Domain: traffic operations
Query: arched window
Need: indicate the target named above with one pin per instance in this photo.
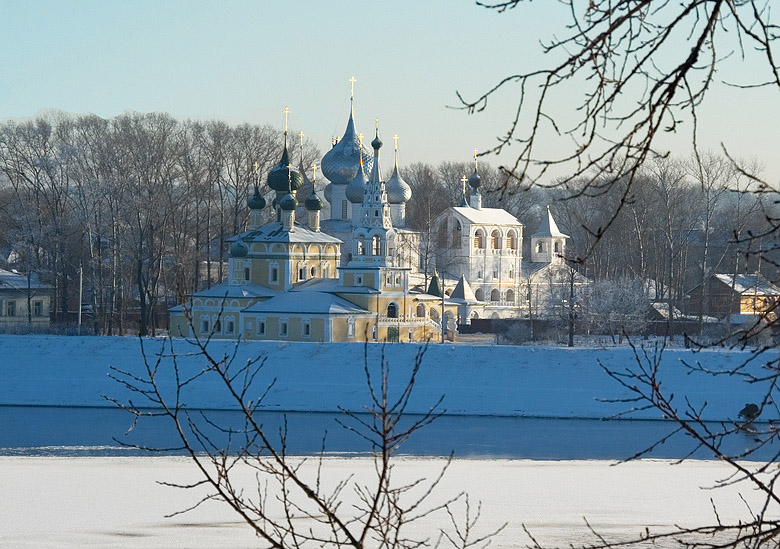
(557, 247)
(479, 294)
(511, 240)
(496, 239)
(377, 245)
(495, 295)
(434, 313)
(392, 310)
(361, 245)
(420, 311)
(540, 247)
(510, 296)
(475, 314)
(479, 239)
(456, 235)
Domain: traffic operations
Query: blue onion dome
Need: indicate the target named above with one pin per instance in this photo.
(328, 192)
(341, 163)
(239, 249)
(283, 177)
(376, 143)
(398, 190)
(288, 203)
(256, 201)
(357, 187)
(475, 181)
(313, 203)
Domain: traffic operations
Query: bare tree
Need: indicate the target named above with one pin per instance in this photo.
(295, 505)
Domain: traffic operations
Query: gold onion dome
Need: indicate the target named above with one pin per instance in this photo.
(283, 176)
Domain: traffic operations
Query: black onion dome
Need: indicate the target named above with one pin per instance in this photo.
(284, 177)
(313, 203)
(357, 188)
(256, 201)
(398, 190)
(341, 163)
(475, 181)
(239, 249)
(288, 203)
(376, 143)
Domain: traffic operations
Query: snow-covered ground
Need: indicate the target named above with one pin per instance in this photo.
(485, 380)
(117, 502)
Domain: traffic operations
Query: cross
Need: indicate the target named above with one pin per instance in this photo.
(301, 136)
(352, 81)
(475, 158)
(315, 172)
(376, 124)
(285, 112)
(395, 138)
(463, 180)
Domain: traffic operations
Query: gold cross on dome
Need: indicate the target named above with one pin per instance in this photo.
(463, 180)
(395, 138)
(352, 81)
(301, 136)
(285, 112)
(475, 158)
(314, 166)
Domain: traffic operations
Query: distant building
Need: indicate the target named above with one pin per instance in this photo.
(23, 299)
(726, 294)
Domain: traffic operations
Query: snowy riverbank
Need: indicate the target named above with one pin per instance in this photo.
(475, 380)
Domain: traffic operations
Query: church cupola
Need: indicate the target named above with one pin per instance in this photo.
(256, 202)
(398, 193)
(283, 178)
(548, 244)
(475, 182)
(314, 205)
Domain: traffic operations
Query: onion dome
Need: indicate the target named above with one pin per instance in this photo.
(328, 192)
(357, 187)
(313, 203)
(256, 201)
(475, 181)
(398, 190)
(376, 143)
(342, 162)
(283, 177)
(288, 203)
(239, 249)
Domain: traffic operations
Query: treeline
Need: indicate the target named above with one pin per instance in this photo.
(139, 204)
(679, 220)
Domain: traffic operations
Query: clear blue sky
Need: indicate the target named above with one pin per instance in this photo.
(244, 61)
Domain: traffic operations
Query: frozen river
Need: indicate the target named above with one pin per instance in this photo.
(79, 431)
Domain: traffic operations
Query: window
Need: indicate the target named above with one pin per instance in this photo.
(358, 279)
(495, 295)
(217, 326)
(229, 326)
(261, 327)
(302, 271)
(392, 310)
(557, 247)
(495, 273)
(37, 308)
(361, 245)
(510, 296)
(540, 247)
(282, 327)
(273, 275)
(343, 209)
(204, 325)
(305, 328)
(479, 274)
(376, 245)
(246, 274)
(10, 308)
(496, 240)
(479, 294)
(313, 271)
(479, 239)
(420, 311)
(511, 273)
(351, 327)
(398, 280)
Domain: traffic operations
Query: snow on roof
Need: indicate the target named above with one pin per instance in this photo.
(748, 284)
(548, 226)
(236, 291)
(307, 303)
(487, 216)
(331, 285)
(17, 281)
(275, 232)
(462, 292)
